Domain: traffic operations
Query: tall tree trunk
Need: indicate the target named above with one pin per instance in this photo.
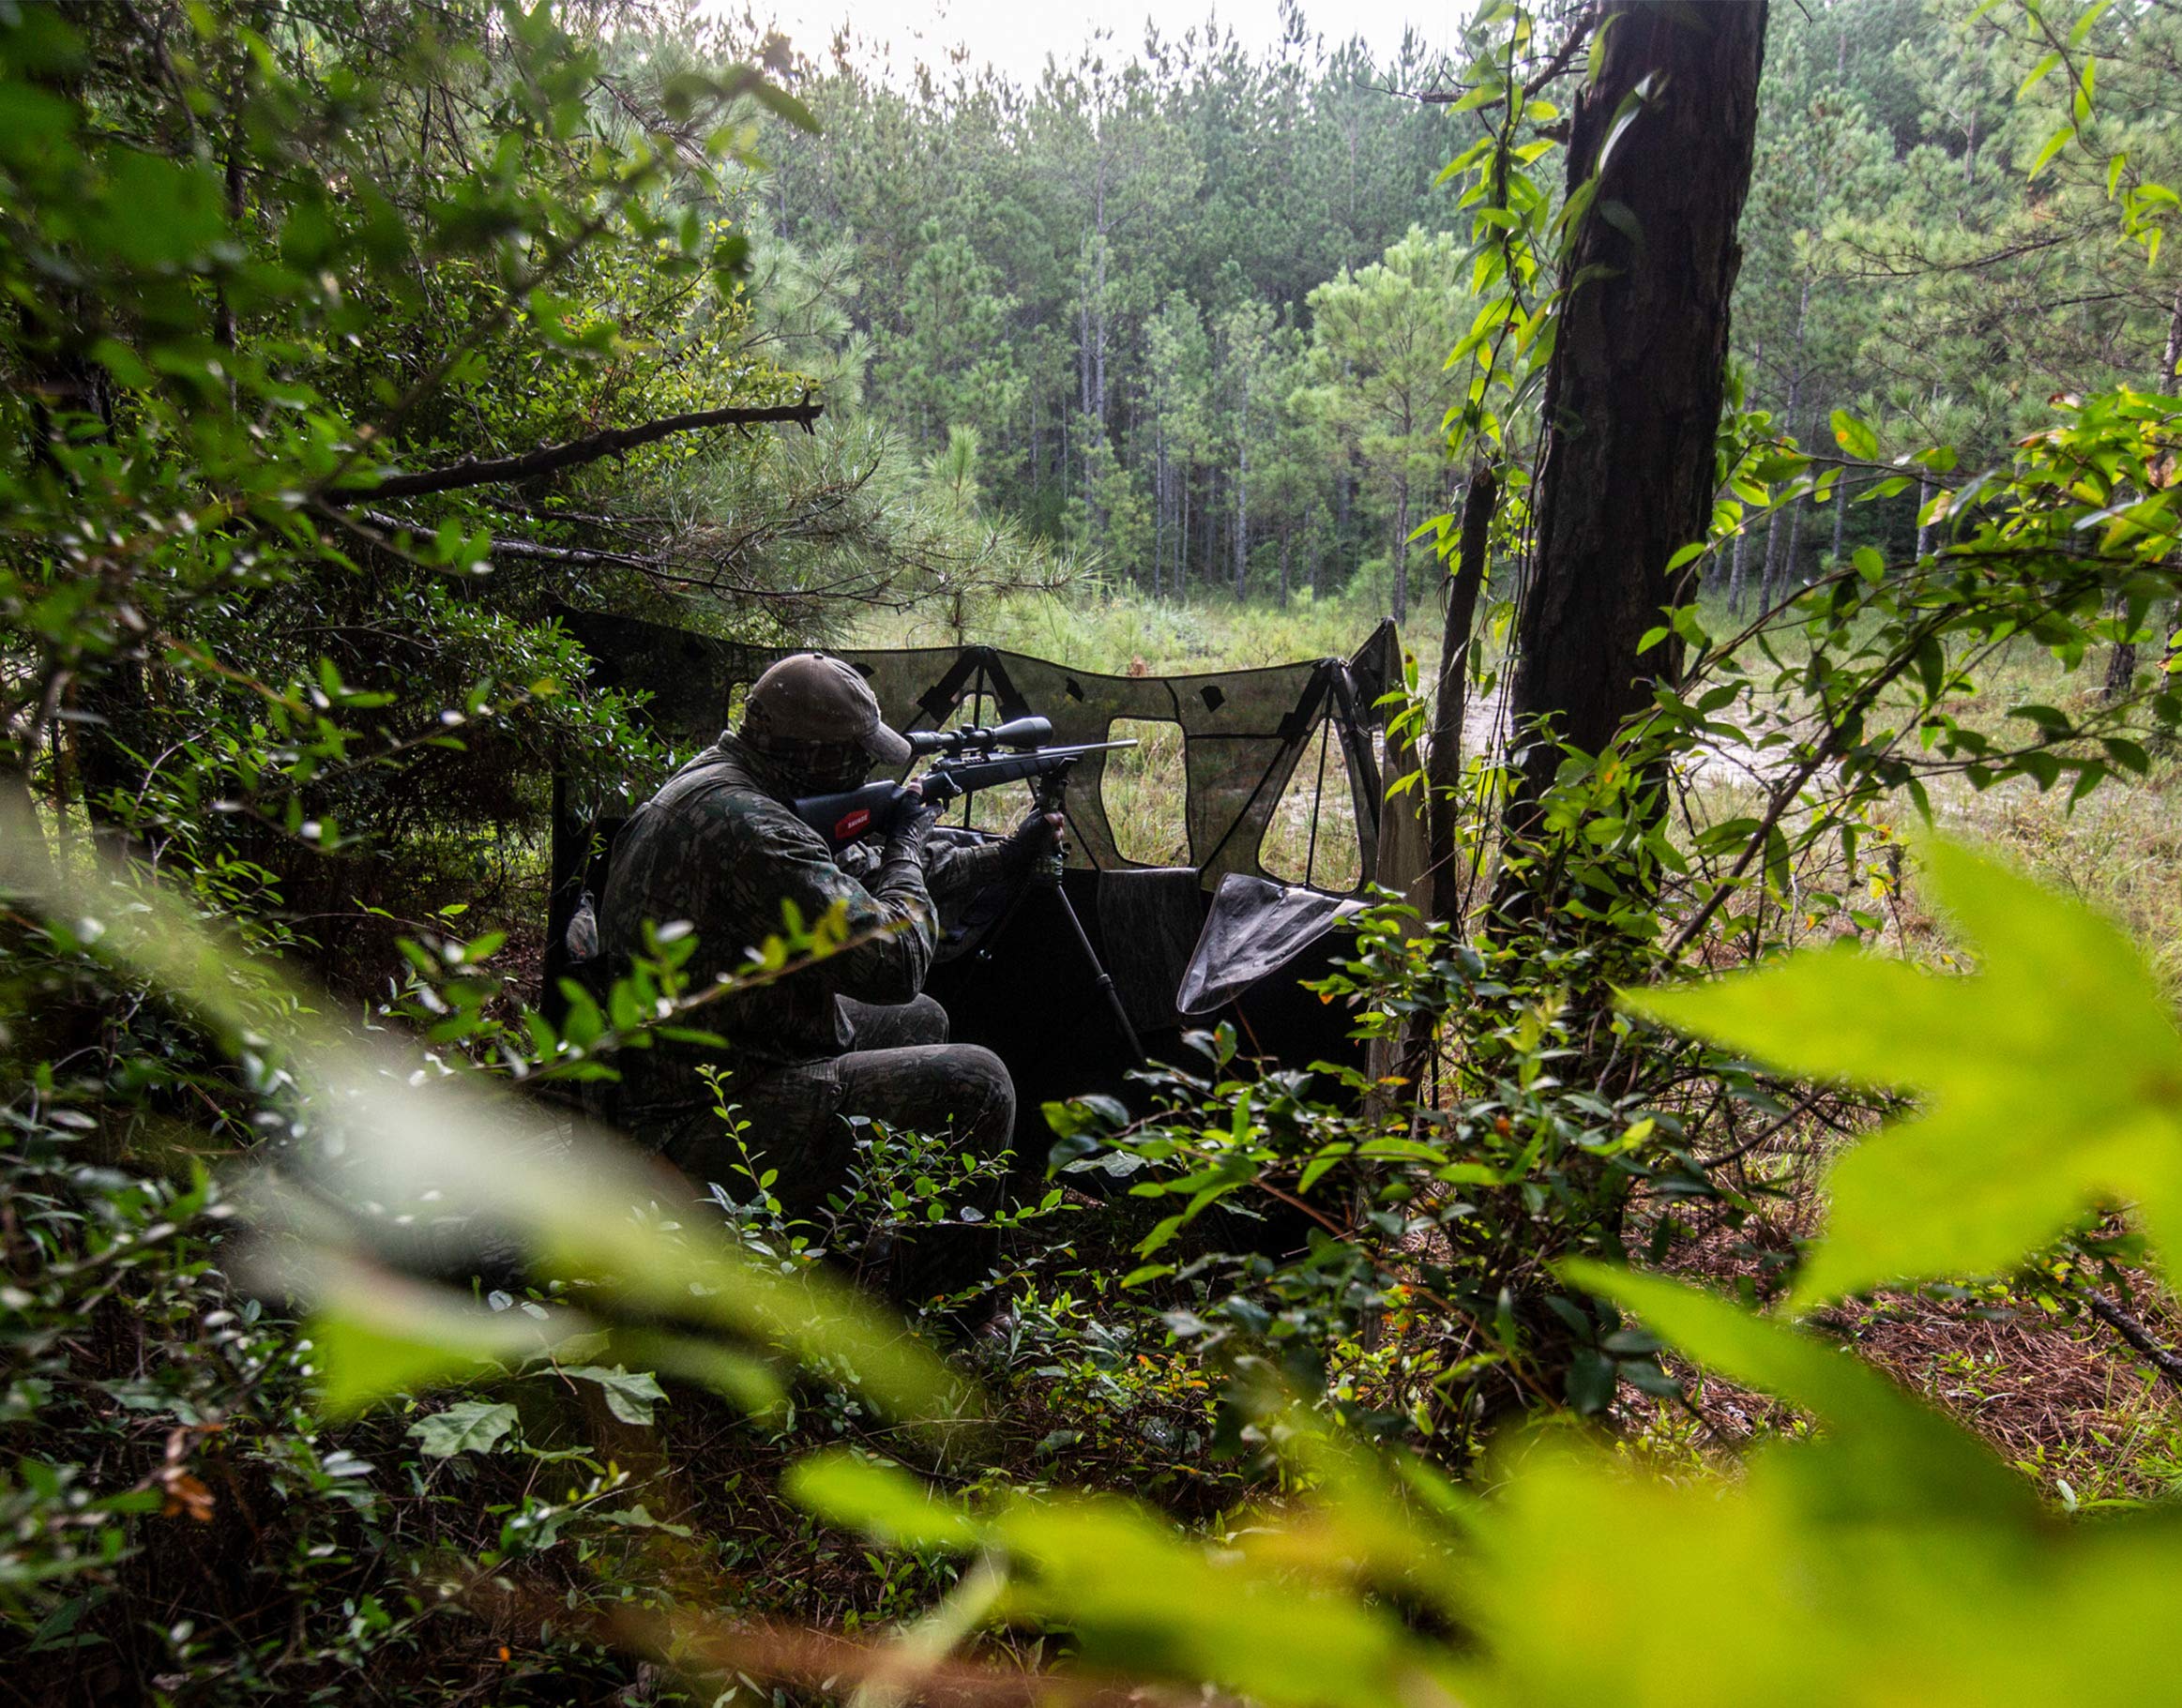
(1776, 567)
(2172, 357)
(1098, 344)
(1634, 389)
(1735, 578)
(1401, 545)
(1182, 535)
(1242, 501)
(1211, 556)
(1170, 508)
(1159, 507)
(1739, 565)
(1841, 516)
(1083, 353)
(1443, 772)
(2121, 671)
(1786, 572)
(1284, 541)
(1443, 763)
(1098, 404)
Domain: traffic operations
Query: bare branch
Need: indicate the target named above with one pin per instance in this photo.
(549, 459)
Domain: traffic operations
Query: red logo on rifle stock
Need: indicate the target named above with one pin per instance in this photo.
(851, 823)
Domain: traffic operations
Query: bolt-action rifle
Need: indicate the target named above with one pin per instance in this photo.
(967, 760)
(970, 760)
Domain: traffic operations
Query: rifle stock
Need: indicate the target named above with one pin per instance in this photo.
(853, 815)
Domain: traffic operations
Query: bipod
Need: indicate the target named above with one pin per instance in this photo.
(1045, 874)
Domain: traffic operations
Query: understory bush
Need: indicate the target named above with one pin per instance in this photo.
(340, 1357)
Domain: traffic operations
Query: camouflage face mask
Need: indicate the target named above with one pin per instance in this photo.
(797, 768)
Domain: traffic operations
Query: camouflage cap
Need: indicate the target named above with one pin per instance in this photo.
(809, 706)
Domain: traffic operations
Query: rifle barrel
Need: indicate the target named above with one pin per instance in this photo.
(969, 773)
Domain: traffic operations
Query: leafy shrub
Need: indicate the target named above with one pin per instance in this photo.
(1452, 1210)
(1890, 1545)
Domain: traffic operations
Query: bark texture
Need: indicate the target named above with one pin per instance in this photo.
(1443, 765)
(1634, 392)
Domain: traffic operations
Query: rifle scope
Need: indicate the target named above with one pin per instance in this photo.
(977, 738)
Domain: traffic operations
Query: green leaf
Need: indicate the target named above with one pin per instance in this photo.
(639, 1518)
(1590, 1381)
(1890, 1453)
(374, 1335)
(160, 213)
(1768, 1589)
(2053, 145)
(2038, 74)
(2130, 755)
(857, 1493)
(1138, 1595)
(630, 1395)
(468, 1425)
(2049, 718)
(1854, 437)
(2051, 1082)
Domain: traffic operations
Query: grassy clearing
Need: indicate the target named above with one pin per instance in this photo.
(2115, 850)
(1121, 631)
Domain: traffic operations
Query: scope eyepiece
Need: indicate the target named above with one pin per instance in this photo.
(1019, 733)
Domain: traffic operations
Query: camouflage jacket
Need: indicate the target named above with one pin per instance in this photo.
(718, 847)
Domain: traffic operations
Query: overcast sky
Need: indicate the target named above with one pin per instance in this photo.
(1016, 36)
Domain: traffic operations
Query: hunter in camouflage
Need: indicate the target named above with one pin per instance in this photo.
(849, 1038)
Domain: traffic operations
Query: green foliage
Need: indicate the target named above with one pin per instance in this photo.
(469, 1426)
(1106, 277)
(236, 661)
(369, 1174)
(1379, 371)
(1889, 1543)
(1435, 1223)
(1865, 684)
(2043, 1077)
(477, 1374)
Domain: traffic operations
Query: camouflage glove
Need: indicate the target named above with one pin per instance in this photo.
(1039, 834)
(913, 820)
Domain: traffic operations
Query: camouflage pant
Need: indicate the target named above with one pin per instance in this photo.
(901, 1073)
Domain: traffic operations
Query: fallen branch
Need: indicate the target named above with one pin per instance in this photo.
(548, 459)
(2139, 1336)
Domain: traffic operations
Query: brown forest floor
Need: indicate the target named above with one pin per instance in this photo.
(2061, 1396)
